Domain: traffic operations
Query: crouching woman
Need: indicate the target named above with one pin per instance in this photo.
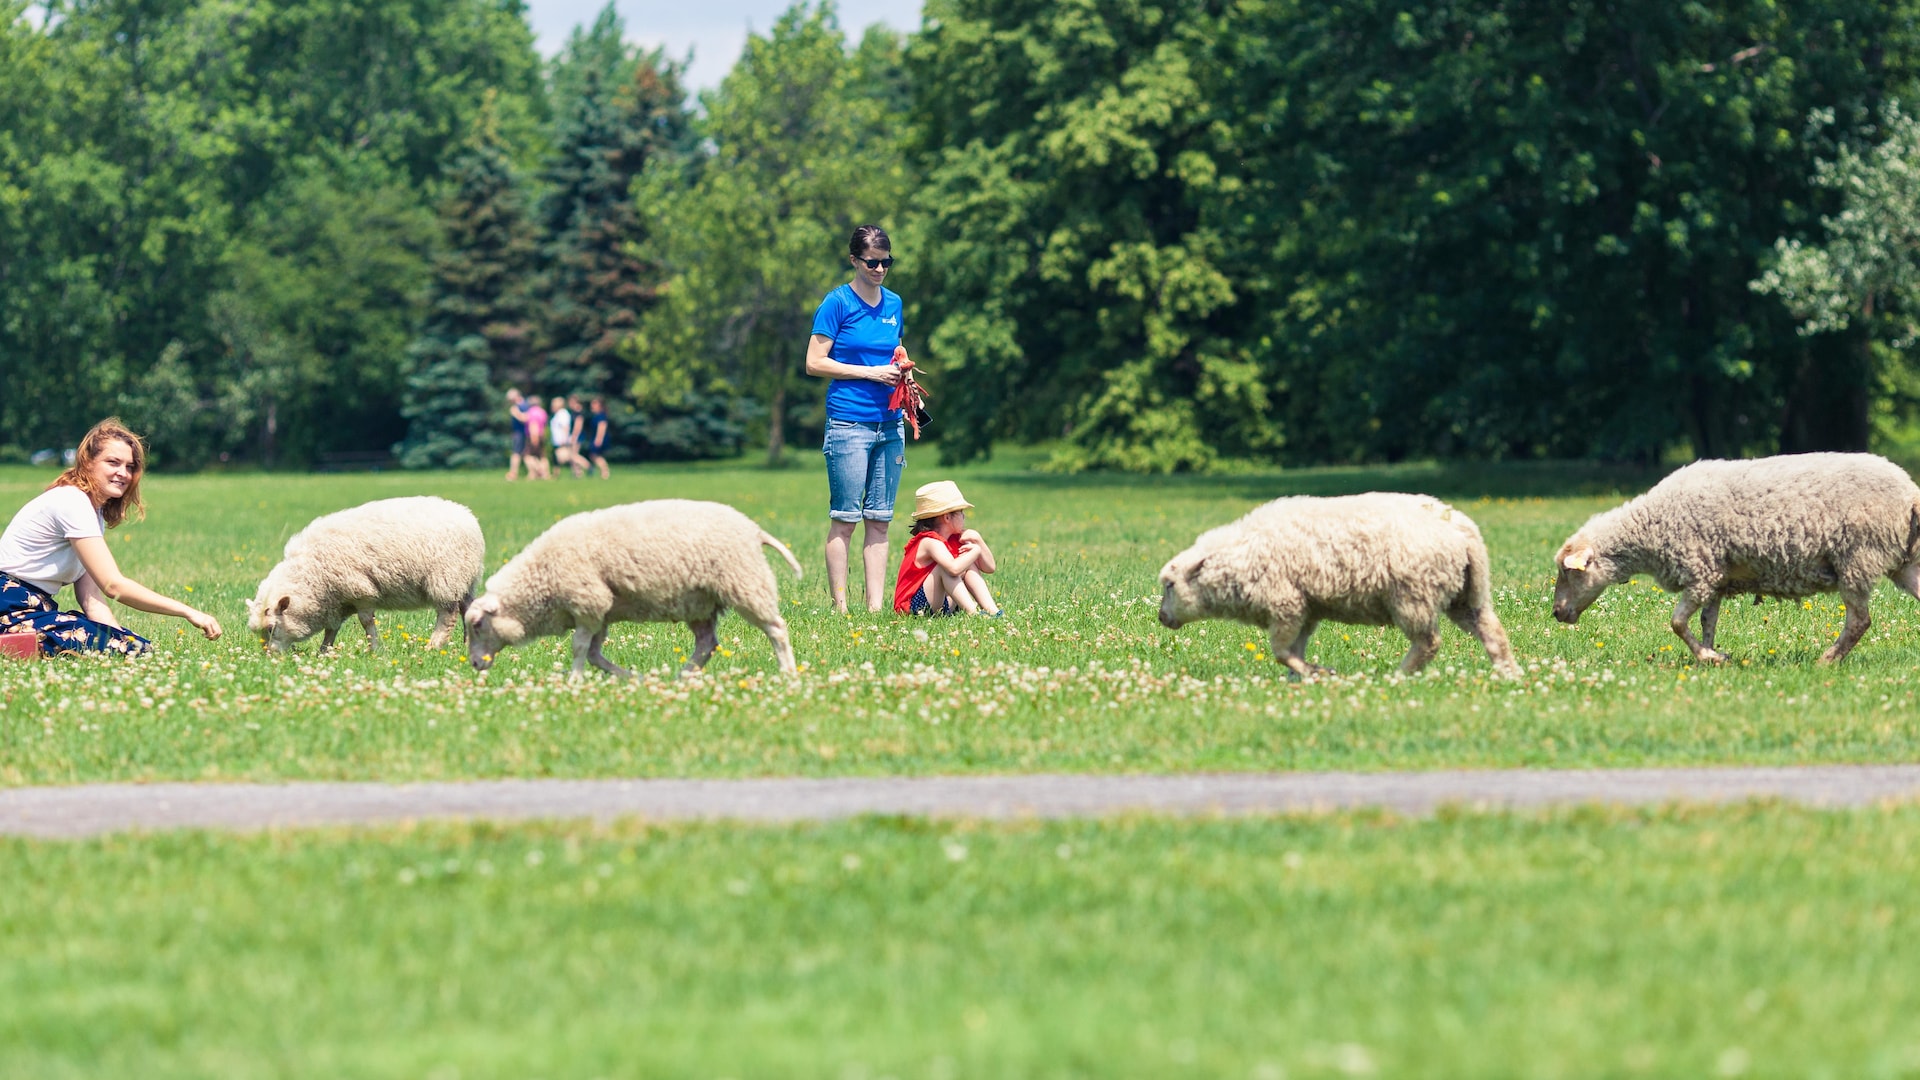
(59, 539)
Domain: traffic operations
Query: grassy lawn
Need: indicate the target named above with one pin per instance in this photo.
(1079, 677)
(1747, 941)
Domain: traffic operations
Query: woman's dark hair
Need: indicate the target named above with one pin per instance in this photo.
(867, 236)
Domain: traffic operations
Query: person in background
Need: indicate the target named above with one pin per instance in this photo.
(855, 332)
(561, 428)
(576, 437)
(60, 538)
(537, 441)
(596, 436)
(517, 448)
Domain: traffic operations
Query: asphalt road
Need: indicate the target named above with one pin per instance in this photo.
(95, 809)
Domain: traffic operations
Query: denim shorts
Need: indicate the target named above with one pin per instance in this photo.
(863, 468)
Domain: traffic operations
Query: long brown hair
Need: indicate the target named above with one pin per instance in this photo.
(114, 511)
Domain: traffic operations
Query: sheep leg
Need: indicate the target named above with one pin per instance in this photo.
(326, 642)
(1709, 621)
(1853, 629)
(1288, 639)
(373, 636)
(704, 642)
(1682, 618)
(1289, 644)
(598, 658)
(1423, 643)
(443, 626)
(1484, 626)
(582, 645)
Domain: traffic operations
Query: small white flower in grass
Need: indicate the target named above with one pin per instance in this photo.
(407, 875)
(738, 887)
(1733, 1061)
(956, 852)
(535, 857)
(849, 862)
(484, 868)
(1292, 860)
(1064, 851)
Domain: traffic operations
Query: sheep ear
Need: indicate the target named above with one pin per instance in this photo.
(282, 605)
(1577, 559)
(1194, 570)
(252, 604)
(489, 604)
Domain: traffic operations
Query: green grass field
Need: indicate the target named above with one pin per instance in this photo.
(1079, 677)
(1747, 941)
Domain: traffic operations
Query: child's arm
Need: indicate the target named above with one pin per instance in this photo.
(937, 554)
(977, 544)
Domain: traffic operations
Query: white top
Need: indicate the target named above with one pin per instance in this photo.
(37, 547)
(562, 427)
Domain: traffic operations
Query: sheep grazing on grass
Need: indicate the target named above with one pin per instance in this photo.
(670, 560)
(1369, 559)
(387, 555)
(1788, 527)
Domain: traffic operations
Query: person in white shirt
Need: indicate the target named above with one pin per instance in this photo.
(59, 539)
(561, 426)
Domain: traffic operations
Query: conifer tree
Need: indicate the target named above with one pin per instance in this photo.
(620, 112)
(479, 331)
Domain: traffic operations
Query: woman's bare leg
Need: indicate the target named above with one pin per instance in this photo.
(977, 585)
(873, 556)
(839, 534)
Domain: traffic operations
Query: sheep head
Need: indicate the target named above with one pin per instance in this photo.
(489, 630)
(1582, 575)
(1182, 599)
(273, 618)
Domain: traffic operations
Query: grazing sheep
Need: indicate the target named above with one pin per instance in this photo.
(1370, 559)
(1787, 526)
(386, 555)
(669, 560)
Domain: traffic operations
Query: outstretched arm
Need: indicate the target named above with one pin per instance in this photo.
(93, 602)
(106, 576)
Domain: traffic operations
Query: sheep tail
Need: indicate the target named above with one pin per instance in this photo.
(1478, 588)
(767, 539)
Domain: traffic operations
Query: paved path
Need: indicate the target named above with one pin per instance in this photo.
(103, 808)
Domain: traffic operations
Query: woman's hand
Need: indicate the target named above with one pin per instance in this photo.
(886, 373)
(204, 623)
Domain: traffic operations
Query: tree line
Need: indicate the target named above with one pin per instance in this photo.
(1159, 236)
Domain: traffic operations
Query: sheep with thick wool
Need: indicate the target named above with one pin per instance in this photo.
(1369, 559)
(387, 555)
(1786, 527)
(669, 560)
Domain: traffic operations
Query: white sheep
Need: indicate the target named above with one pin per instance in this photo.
(669, 560)
(386, 555)
(1788, 527)
(1370, 559)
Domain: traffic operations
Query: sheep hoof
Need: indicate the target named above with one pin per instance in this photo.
(1708, 656)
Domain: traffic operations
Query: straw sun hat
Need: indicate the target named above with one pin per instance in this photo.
(939, 497)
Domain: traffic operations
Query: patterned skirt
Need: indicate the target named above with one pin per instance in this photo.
(24, 609)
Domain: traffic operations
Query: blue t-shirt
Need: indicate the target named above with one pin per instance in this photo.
(865, 336)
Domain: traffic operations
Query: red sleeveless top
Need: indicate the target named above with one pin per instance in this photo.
(912, 575)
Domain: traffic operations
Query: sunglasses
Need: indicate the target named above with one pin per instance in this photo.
(876, 264)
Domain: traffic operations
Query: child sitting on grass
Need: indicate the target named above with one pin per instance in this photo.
(942, 570)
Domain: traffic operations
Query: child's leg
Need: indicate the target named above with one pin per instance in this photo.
(976, 584)
(942, 587)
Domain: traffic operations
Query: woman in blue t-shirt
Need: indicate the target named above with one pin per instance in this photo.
(854, 335)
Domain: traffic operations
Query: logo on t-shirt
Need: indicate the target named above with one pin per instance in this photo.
(891, 321)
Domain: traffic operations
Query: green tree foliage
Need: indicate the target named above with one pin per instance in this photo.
(1861, 280)
(219, 228)
(1376, 230)
(480, 329)
(621, 111)
(803, 150)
